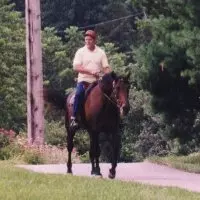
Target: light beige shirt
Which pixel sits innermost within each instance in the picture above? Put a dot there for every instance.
(94, 61)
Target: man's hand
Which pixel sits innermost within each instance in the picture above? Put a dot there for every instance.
(95, 74)
(107, 70)
(81, 69)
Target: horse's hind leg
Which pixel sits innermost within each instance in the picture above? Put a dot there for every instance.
(70, 145)
(97, 155)
(115, 153)
(92, 153)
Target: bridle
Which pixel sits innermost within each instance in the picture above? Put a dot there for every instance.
(112, 101)
(113, 98)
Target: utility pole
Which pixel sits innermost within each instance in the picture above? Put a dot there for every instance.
(35, 102)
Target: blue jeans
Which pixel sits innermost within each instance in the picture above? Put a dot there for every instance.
(79, 98)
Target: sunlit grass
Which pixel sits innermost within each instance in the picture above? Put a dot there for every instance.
(20, 184)
(190, 163)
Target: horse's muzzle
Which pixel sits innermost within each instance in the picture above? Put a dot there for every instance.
(124, 109)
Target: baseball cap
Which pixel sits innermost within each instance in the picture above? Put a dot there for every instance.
(91, 33)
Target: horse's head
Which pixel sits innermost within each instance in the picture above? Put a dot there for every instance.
(117, 87)
(121, 87)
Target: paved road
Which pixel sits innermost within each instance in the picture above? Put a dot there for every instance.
(144, 172)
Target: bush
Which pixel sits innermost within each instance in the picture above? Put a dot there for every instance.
(33, 157)
(150, 142)
(82, 142)
(85, 158)
(4, 141)
(6, 137)
(4, 154)
(55, 133)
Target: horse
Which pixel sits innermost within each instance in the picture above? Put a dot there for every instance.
(105, 102)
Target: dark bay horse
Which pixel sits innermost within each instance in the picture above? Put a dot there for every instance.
(103, 107)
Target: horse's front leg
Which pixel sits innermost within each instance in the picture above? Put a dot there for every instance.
(115, 154)
(70, 145)
(95, 153)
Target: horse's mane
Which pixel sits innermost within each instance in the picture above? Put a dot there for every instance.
(106, 82)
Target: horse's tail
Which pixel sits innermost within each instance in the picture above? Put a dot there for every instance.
(55, 97)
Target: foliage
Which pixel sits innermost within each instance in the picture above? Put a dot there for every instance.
(85, 158)
(189, 163)
(6, 138)
(11, 151)
(142, 134)
(168, 67)
(4, 141)
(163, 58)
(56, 60)
(82, 142)
(33, 157)
(62, 14)
(55, 133)
(12, 73)
(8, 148)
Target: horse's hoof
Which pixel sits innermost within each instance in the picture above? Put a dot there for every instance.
(111, 174)
(69, 172)
(98, 176)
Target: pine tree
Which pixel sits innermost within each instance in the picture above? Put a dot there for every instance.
(168, 66)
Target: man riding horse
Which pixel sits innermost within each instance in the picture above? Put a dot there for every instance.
(89, 62)
(103, 108)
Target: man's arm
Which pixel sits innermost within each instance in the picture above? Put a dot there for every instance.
(77, 64)
(105, 65)
(80, 69)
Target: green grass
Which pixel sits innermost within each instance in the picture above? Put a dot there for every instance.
(20, 184)
(190, 163)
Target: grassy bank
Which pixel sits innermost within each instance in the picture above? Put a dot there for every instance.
(190, 163)
(24, 185)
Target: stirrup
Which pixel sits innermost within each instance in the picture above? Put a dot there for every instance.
(73, 123)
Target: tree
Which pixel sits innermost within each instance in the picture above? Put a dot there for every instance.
(19, 5)
(62, 14)
(168, 66)
(58, 56)
(12, 64)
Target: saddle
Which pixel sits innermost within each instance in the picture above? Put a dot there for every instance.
(88, 89)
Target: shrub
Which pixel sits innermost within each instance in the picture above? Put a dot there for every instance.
(4, 141)
(6, 137)
(10, 151)
(85, 158)
(55, 133)
(33, 157)
(82, 142)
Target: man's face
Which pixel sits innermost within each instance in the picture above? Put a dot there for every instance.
(90, 42)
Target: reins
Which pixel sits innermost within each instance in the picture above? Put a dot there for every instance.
(115, 103)
(108, 97)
